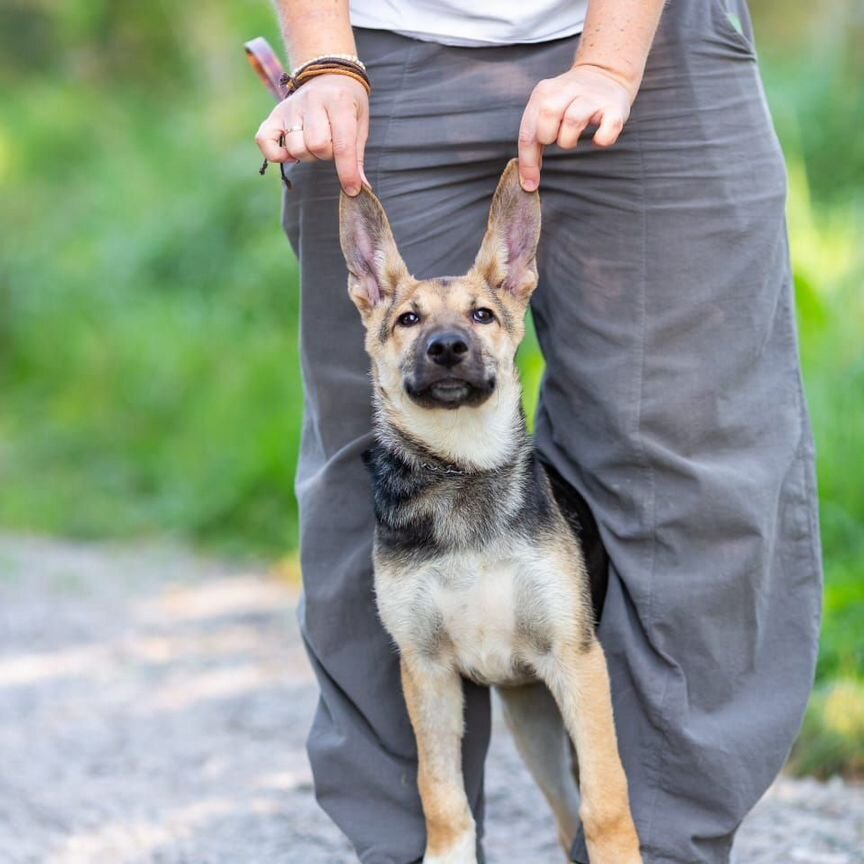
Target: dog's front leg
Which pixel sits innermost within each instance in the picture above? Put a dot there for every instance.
(433, 693)
(579, 680)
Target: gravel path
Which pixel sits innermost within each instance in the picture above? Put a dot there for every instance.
(153, 708)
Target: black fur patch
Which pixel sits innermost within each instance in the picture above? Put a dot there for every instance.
(395, 485)
(410, 485)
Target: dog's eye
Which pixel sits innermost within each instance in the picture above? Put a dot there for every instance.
(483, 316)
(408, 319)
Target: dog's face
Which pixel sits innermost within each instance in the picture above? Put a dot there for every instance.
(451, 342)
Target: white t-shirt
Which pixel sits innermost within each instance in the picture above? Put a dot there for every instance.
(475, 23)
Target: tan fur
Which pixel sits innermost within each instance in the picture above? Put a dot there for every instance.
(579, 682)
(434, 700)
(505, 613)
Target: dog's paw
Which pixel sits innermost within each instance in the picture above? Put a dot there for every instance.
(462, 851)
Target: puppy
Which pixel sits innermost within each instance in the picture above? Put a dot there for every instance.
(479, 572)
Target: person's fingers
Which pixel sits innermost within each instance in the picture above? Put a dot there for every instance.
(269, 140)
(611, 125)
(548, 123)
(559, 111)
(540, 126)
(295, 142)
(343, 131)
(577, 116)
(530, 161)
(316, 132)
(362, 137)
(552, 102)
(530, 149)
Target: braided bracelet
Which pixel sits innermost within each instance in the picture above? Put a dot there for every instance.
(353, 59)
(336, 64)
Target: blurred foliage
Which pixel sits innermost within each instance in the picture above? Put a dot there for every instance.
(148, 301)
(832, 739)
(148, 351)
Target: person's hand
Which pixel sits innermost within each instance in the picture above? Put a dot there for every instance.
(327, 118)
(559, 110)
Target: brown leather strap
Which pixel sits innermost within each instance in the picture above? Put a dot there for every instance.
(262, 58)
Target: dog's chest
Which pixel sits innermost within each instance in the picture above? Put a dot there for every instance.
(476, 602)
(481, 613)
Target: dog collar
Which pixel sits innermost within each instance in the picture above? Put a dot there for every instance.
(441, 469)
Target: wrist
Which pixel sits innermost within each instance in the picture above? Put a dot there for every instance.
(629, 81)
(348, 59)
(617, 37)
(312, 29)
(334, 48)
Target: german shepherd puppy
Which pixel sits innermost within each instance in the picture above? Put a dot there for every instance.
(479, 571)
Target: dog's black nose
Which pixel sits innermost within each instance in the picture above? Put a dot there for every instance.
(447, 349)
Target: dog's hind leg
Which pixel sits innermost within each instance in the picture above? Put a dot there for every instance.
(541, 738)
(433, 695)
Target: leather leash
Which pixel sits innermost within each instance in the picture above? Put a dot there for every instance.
(264, 62)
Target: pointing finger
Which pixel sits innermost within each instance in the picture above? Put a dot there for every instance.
(530, 151)
(343, 128)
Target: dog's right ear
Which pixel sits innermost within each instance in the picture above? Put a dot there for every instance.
(375, 267)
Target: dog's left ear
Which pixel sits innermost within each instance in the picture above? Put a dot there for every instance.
(507, 257)
(375, 266)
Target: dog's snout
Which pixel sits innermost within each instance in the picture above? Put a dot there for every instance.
(447, 369)
(448, 348)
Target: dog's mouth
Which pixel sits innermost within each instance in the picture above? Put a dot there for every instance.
(450, 392)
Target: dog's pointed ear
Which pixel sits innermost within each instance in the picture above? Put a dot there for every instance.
(375, 267)
(507, 257)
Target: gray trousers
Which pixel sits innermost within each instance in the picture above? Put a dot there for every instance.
(672, 401)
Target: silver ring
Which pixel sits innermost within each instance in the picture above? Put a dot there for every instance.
(294, 129)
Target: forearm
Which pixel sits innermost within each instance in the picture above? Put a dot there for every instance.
(312, 28)
(617, 38)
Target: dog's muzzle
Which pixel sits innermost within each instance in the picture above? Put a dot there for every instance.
(448, 372)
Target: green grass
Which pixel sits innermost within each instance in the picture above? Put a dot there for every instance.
(149, 375)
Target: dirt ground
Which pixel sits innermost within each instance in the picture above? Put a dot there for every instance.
(153, 707)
